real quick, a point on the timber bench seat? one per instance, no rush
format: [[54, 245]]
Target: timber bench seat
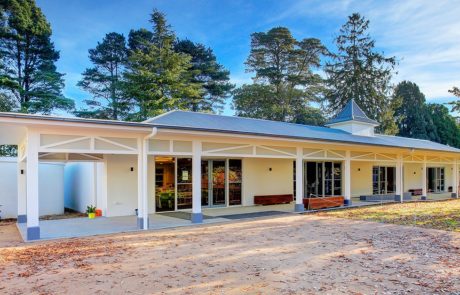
[[416, 191], [322, 203], [273, 199]]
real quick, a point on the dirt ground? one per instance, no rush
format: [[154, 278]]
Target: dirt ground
[[295, 254]]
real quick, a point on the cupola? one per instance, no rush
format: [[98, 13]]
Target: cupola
[[352, 119]]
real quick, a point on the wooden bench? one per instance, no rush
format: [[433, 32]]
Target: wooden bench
[[273, 199], [321, 203], [416, 191]]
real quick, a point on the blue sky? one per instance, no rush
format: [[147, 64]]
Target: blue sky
[[423, 35]]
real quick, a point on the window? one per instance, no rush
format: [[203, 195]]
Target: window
[[383, 180], [323, 179], [436, 179], [235, 181], [164, 184], [184, 183]]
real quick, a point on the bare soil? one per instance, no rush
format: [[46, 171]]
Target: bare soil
[[299, 254]]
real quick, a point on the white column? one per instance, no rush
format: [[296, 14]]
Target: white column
[[101, 186], [197, 216], [299, 207], [399, 179], [22, 192], [140, 184], [424, 187], [455, 179], [33, 226], [145, 191], [347, 178]]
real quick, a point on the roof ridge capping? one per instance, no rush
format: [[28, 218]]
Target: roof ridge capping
[[151, 120]]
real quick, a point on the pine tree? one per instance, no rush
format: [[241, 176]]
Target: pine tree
[[206, 71], [28, 76], [285, 82], [105, 80], [357, 71], [158, 77], [455, 104]]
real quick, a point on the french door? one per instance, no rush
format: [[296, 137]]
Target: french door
[[213, 183], [436, 179]]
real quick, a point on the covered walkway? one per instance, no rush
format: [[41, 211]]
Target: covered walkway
[[82, 227]]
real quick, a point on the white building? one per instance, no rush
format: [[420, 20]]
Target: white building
[[152, 166]]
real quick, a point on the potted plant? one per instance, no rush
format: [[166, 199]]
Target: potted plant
[[91, 211]]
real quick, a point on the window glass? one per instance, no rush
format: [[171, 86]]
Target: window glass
[[323, 179], [164, 184], [184, 183], [235, 181]]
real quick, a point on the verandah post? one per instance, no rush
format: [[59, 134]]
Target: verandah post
[[455, 179], [140, 184], [347, 178], [424, 188], [197, 216], [399, 180], [33, 226], [299, 207]]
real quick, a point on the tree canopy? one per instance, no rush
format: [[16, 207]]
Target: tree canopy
[[158, 78], [358, 71], [105, 80], [285, 82], [206, 71], [29, 82]]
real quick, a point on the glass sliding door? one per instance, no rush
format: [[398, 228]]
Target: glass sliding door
[[436, 179], [235, 181], [184, 183], [323, 179], [383, 180], [218, 183], [204, 183], [337, 177], [165, 184]]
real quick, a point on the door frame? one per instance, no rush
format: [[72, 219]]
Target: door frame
[[211, 183]]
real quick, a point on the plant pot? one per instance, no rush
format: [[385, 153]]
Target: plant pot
[[91, 215]]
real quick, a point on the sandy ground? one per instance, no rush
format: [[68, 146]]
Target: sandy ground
[[287, 255]]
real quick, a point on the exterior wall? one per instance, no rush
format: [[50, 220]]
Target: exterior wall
[[79, 180], [259, 180], [9, 188], [413, 177], [121, 185], [355, 128], [361, 178], [51, 188]]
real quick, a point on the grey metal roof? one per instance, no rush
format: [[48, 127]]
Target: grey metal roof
[[351, 112], [73, 119], [238, 125]]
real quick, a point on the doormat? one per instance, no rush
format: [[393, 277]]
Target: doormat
[[183, 215], [254, 214]]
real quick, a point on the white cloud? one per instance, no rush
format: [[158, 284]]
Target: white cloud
[[423, 34]]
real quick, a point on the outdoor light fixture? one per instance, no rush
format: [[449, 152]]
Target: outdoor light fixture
[[270, 169], [359, 169], [132, 169], [22, 171]]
